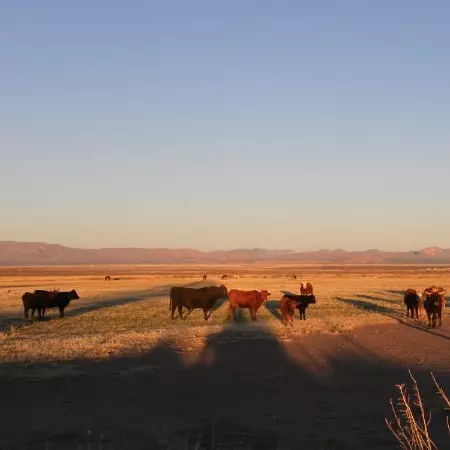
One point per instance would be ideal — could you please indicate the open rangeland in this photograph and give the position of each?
(117, 373)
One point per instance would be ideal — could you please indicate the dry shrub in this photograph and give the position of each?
(411, 421)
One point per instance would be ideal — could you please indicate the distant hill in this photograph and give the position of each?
(32, 253)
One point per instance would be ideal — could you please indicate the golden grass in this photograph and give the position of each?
(132, 314)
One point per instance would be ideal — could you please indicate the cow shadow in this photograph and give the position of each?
(273, 306)
(85, 305)
(400, 317)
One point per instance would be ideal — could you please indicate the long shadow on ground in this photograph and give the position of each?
(370, 306)
(243, 391)
(94, 304)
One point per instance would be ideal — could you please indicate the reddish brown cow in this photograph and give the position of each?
(306, 288)
(251, 300)
(287, 307)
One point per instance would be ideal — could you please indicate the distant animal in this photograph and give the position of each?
(60, 300)
(251, 300)
(116, 278)
(433, 307)
(411, 300)
(293, 276)
(302, 302)
(306, 288)
(193, 298)
(224, 277)
(108, 278)
(204, 277)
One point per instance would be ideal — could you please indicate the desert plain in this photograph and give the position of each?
(118, 373)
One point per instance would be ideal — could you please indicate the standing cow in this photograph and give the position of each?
(290, 301)
(411, 300)
(192, 298)
(433, 307)
(251, 300)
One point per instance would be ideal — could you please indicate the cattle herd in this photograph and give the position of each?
(431, 299)
(205, 298)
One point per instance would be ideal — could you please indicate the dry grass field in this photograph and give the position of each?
(120, 328)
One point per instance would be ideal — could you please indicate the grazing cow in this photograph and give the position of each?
(411, 300)
(301, 302)
(192, 298)
(433, 307)
(204, 277)
(293, 276)
(60, 300)
(108, 278)
(306, 288)
(251, 300)
(224, 277)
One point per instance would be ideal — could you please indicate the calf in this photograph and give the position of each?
(251, 300)
(191, 298)
(301, 302)
(287, 308)
(433, 307)
(411, 300)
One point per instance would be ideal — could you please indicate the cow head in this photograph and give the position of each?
(73, 295)
(310, 299)
(223, 290)
(264, 295)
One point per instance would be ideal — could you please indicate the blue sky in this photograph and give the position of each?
(275, 124)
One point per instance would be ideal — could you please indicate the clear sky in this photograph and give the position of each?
(215, 125)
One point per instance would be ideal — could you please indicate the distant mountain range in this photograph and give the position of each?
(31, 253)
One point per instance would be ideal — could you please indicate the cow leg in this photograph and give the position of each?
(205, 313)
(234, 314)
(253, 313)
(440, 318)
(25, 312)
(174, 307)
(187, 315)
(61, 312)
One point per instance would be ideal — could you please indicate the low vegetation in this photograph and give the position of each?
(132, 314)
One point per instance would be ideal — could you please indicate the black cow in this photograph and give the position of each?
(192, 298)
(36, 301)
(60, 301)
(433, 307)
(411, 300)
(302, 302)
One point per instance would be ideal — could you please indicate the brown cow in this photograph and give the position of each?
(287, 307)
(430, 291)
(204, 277)
(251, 300)
(306, 288)
(108, 278)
